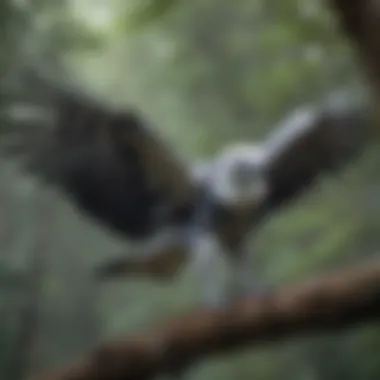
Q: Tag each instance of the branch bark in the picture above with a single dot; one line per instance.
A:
(345, 298)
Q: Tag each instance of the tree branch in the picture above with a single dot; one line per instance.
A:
(348, 297)
(162, 265)
(360, 21)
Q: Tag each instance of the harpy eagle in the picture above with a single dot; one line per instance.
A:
(117, 170)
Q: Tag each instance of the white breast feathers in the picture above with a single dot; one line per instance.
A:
(237, 178)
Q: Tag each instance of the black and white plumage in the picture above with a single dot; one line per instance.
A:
(119, 172)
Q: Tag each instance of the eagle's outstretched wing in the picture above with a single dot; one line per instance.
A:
(309, 143)
(109, 162)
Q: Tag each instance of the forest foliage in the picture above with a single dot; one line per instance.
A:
(205, 73)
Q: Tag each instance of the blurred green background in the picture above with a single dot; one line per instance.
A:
(206, 73)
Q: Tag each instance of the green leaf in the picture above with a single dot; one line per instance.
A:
(142, 13)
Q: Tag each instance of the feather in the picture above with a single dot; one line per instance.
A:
(109, 162)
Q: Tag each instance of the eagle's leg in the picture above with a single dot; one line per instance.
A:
(247, 279)
(207, 250)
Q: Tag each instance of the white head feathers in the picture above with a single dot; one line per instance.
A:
(238, 177)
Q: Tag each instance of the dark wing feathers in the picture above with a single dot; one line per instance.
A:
(312, 142)
(111, 164)
(118, 170)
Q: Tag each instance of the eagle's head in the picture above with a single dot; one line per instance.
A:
(238, 177)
